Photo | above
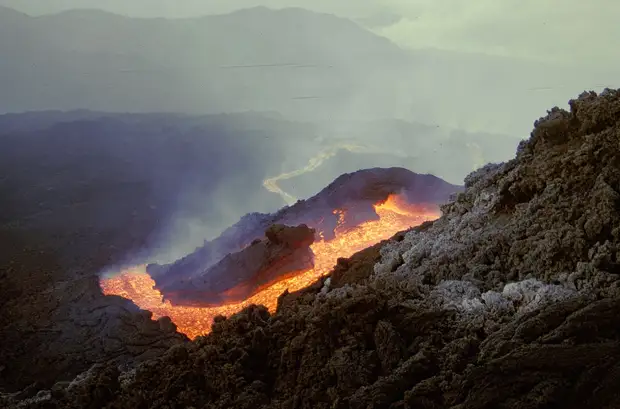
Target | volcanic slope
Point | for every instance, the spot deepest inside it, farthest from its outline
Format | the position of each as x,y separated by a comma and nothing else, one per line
510,300
356,192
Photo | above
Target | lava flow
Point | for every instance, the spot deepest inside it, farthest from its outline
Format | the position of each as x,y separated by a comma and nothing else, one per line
395,214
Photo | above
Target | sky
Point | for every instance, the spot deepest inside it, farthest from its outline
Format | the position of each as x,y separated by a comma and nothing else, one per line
568,31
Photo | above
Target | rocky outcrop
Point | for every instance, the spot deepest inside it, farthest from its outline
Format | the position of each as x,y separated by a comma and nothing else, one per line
510,300
356,192
283,254
290,237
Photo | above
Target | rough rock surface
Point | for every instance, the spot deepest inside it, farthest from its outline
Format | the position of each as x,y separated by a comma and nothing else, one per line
86,328
510,300
55,324
357,192
284,253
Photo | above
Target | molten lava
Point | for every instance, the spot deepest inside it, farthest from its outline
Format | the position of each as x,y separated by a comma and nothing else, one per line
395,214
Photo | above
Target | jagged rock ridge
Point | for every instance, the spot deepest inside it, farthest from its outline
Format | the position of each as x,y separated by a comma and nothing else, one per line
510,300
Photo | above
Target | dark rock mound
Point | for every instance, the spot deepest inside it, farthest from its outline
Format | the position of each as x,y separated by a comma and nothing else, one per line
375,185
285,253
290,237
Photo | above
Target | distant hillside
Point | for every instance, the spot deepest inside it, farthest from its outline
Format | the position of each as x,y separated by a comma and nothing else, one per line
251,59
302,64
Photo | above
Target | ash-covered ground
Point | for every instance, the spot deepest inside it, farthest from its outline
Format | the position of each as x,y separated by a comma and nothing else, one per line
510,300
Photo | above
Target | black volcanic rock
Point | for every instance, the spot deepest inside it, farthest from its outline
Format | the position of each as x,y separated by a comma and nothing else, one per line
510,300
290,237
285,253
356,192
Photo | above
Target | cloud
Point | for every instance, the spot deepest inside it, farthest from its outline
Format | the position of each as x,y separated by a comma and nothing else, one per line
572,31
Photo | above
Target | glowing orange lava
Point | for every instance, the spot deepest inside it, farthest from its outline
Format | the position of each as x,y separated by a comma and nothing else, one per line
394,215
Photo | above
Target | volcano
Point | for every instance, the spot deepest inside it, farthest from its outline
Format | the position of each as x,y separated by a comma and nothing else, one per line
263,255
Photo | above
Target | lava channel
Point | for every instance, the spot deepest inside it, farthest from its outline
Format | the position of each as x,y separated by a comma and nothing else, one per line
395,215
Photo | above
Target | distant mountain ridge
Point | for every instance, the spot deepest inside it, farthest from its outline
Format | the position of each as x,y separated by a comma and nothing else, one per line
302,64
250,59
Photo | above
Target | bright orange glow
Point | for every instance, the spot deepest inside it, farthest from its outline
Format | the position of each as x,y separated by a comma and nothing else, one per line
395,214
